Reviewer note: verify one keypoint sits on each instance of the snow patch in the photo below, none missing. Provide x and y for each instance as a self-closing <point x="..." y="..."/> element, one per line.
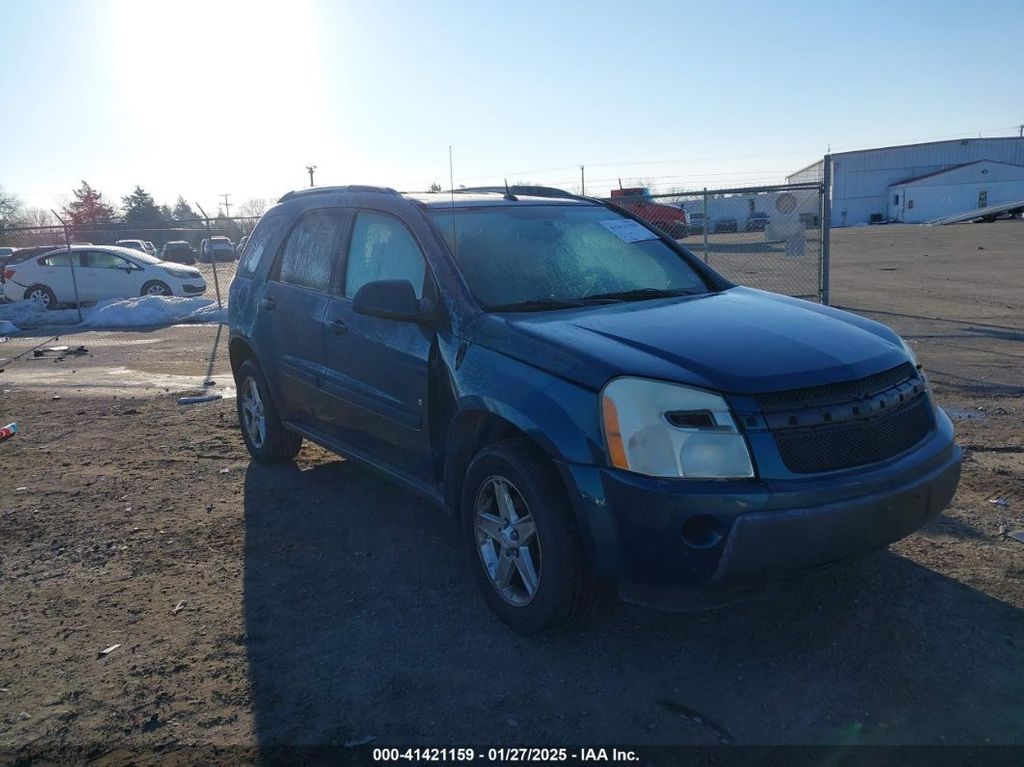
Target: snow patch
<point x="141" y="312"/>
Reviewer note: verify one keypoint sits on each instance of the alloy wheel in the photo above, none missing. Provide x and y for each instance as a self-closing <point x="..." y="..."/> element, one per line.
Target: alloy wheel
<point x="254" y="420"/>
<point x="507" y="541"/>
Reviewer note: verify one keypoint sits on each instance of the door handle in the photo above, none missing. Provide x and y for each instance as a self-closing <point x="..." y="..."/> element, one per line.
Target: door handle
<point x="268" y="304"/>
<point x="338" y="327"/>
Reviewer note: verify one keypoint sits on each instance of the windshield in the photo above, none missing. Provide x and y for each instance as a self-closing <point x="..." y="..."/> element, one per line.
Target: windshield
<point x="514" y="254"/>
<point x="135" y="255"/>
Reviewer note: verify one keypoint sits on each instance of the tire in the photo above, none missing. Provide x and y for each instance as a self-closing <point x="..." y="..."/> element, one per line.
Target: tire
<point x="42" y="295"/>
<point x="156" y="288"/>
<point x="273" y="443"/>
<point x="505" y="556"/>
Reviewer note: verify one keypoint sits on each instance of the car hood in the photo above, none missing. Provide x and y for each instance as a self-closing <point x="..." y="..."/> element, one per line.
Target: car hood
<point x="741" y="341"/>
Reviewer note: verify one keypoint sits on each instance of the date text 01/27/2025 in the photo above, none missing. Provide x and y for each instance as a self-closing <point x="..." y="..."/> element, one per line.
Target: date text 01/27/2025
<point x="504" y="754"/>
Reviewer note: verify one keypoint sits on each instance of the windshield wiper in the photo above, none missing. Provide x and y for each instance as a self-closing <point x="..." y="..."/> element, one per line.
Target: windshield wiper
<point x="639" y="294"/>
<point x="538" y="305"/>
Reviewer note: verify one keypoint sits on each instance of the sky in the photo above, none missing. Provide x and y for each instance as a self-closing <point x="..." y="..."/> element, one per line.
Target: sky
<point x="201" y="98"/>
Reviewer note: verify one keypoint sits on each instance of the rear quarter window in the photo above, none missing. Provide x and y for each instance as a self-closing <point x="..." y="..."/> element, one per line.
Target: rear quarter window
<point x="266" y="232"/>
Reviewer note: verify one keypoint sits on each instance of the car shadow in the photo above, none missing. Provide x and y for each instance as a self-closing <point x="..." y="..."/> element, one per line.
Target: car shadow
<point x="362" y="621"/>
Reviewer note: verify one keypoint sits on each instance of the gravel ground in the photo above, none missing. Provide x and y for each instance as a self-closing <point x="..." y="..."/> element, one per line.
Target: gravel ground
<point x="316" y="603"/>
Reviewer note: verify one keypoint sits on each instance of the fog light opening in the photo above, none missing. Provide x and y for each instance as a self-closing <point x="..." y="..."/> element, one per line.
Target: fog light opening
<point x="702" y="531"/>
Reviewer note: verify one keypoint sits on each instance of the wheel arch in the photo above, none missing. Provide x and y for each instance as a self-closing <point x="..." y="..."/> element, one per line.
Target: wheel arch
<point x="468" y="433"/>
<point x="239" y="350"/>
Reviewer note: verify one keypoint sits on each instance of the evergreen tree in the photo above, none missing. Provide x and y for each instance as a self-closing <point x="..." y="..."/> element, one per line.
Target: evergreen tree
<point x="183" y="211"/>
<point x="140" y="209"/>
<point x="88" y="207"/>
<point x="10" y="209"/>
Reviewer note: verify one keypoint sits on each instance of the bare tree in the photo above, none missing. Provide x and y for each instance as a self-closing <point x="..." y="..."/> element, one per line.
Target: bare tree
<point x="253" y="208"/>
<point x="39" y="217"/>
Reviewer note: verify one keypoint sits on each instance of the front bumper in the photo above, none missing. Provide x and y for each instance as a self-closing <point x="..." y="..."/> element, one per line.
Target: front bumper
<point x="193" y="290"/>
<point x="633" y="526"/>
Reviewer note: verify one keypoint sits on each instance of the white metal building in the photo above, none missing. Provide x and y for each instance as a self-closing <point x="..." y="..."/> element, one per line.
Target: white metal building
<point x="947" y="192"/>
<point x="861" y="180"/>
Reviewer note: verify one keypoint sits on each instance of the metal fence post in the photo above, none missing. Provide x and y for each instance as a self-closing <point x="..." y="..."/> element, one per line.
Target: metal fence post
<point x="705" y="225"/>
<point x="209" y="249"/>
<point x="71" y="263"/>
<point x="826" y="224"/>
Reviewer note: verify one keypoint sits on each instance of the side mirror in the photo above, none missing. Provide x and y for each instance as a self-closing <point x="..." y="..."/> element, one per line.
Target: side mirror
<point x="390" y="299"/>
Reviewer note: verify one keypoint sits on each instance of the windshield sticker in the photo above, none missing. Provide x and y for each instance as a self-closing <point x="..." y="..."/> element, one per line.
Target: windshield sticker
<point x="628" y="231"/>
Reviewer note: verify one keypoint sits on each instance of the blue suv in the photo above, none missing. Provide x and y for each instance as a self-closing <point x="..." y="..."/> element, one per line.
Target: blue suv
<point x="589" y="400"/>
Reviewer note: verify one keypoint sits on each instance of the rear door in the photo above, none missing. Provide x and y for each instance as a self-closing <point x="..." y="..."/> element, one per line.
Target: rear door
<point x="53" y="271"/>
<point x="377" y="369"/>
<point x="290" y="313"/>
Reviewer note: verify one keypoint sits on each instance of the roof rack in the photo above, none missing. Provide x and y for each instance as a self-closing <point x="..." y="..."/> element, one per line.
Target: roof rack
<point x="526" y="190"/>
<point x="337" y="189"/>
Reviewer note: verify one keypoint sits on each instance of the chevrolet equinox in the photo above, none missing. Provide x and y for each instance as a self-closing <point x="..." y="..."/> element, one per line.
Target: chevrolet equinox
<point x="590" y="401"/>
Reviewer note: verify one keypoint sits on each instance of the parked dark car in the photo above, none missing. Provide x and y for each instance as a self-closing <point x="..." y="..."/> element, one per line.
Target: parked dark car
<point x="590" y="401"/>
<point x="724" y="224"/>
<point x="179" y="252"/>
<point x="757" y="222"/>
<point x="216" y="249"/>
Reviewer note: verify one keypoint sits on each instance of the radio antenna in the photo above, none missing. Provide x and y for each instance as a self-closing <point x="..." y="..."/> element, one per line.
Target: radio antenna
<point x="451" y="184"/>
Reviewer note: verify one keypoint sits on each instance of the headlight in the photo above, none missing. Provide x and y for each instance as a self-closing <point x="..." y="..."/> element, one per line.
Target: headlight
<point x="667" y="430"/>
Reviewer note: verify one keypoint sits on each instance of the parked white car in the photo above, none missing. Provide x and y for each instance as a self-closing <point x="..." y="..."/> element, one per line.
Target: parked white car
<point x="138" y="245"/>
<point x="101" y="273"/>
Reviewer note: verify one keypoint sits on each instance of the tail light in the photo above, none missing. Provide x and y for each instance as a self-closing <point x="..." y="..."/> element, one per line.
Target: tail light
<point x="8" y="274"/>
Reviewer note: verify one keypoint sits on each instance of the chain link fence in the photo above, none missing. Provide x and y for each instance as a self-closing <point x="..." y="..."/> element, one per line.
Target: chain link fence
<point x="768" y="237"/>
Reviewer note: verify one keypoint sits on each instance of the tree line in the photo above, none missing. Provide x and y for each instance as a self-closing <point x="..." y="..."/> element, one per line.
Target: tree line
<point x="90" y="217"/>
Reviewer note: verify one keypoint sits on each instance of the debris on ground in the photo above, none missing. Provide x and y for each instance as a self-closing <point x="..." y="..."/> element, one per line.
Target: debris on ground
<point x="8" y="431"/>
<point x="209" y="382"/>
<point x="1017" y="535"/>
<point x="197" y="400"/>
<point x="1000" y="502"/>
<point x="178" y="608"/>
<point x="106" y="652"/>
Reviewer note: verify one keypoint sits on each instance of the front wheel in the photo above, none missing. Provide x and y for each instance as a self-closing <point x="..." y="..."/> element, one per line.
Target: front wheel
<point x="523" y="545"/>
<point x="265" y="436"/>
<point x="156" y="288"/>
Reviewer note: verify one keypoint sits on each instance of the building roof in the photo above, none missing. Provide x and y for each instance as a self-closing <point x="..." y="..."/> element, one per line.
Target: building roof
<point x="910" y="146"/>
<point x="951" y="168"/>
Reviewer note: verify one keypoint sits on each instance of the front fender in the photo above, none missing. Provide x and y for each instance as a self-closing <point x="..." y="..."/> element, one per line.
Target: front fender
<point x="560" y="416"/>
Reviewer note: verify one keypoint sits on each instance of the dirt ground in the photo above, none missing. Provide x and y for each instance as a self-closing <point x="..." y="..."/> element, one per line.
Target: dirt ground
<point x="316" y="603"/>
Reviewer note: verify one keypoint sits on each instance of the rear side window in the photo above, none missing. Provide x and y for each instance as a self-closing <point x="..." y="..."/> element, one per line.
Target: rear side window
<point x="58" y="259"/>
<point x="383" y="249"/>
<point x="265" y="231"/>
<point x="312" y="249"/>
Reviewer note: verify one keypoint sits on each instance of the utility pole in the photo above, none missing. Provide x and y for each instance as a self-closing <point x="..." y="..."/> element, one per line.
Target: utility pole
<point x="1020" y="130"/>
<point x="311" y="169"/>
<point x="583" y="183"/>
<point x="227" y="205"/>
